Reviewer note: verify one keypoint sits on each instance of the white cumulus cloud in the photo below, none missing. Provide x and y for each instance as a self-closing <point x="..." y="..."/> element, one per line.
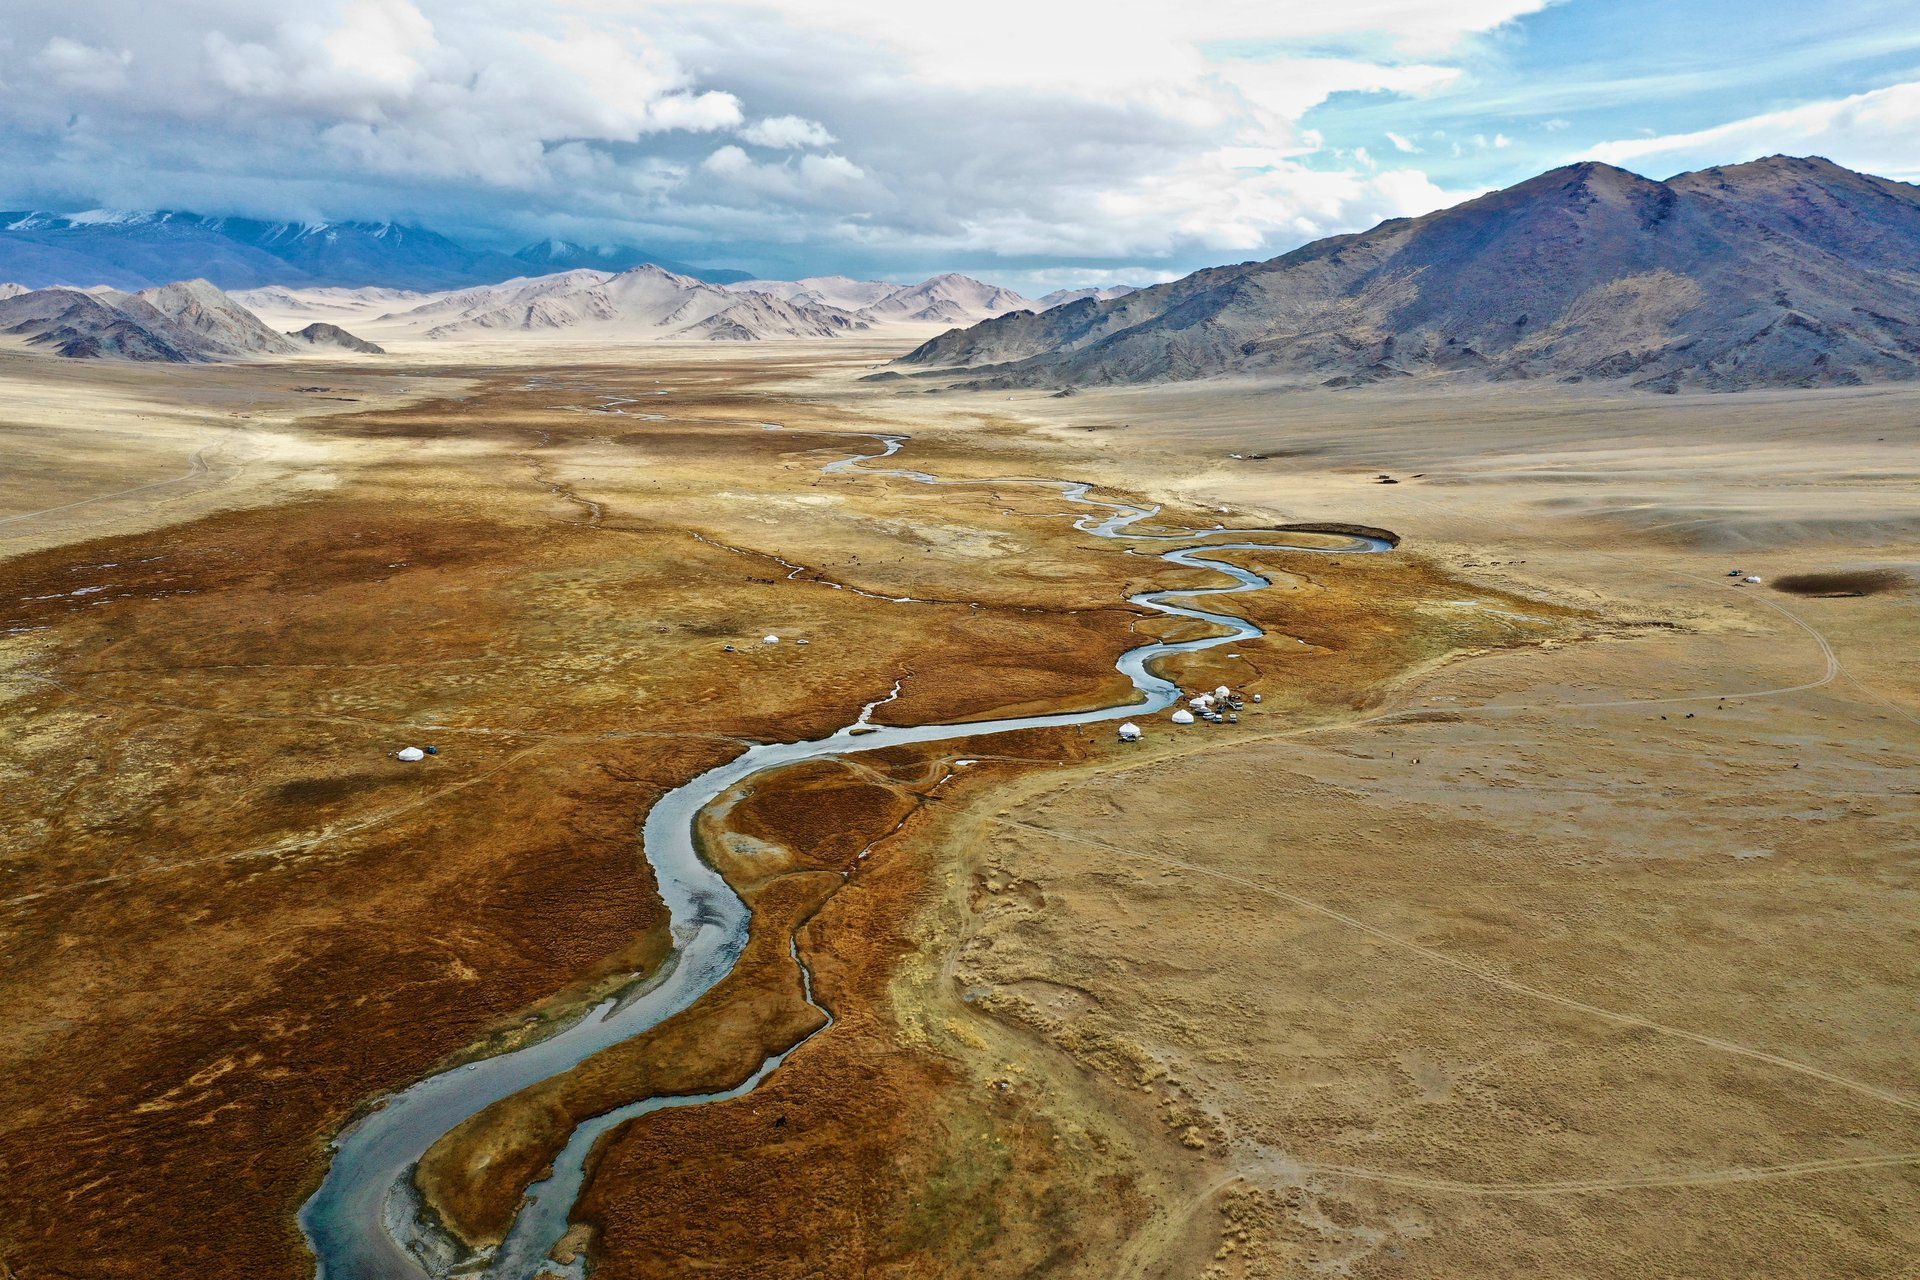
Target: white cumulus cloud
<point x="809" y="179"/>
<point x="1873" y="131"/>
<point x="83" y="66"/>
<point x="833" y="134"/>
<point x="787" y="133"/>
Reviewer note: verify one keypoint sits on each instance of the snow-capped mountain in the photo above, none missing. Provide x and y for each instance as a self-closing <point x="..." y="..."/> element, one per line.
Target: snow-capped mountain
<point x="385" y="253"/>
<point x="134" y="249"/>
<point x="129" y="250"/>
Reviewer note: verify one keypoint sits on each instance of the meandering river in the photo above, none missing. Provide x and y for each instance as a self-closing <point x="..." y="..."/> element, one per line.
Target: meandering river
<point x="363" y="1222"/>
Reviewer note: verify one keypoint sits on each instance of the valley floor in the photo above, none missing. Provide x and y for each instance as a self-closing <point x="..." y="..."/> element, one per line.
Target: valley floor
<point x="1551" y="914"/>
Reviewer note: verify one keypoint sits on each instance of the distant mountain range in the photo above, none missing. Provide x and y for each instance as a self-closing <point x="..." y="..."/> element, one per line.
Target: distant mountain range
<point x="946" y="299"/>
<point x="1061" y="297"/>
<point x="195" y="320"/>
<point x="828" y="291"/>
<point x="642" y="303"/>
<point x="943" y="299"/>
<point x="135" y="250"/>
<point x="1781" y="272"/>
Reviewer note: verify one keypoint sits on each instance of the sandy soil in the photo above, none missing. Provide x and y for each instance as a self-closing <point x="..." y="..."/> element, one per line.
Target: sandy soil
<point x="1587" y="959"/>
<point x="99" y="447"/>
<point x="1454" y="958"/>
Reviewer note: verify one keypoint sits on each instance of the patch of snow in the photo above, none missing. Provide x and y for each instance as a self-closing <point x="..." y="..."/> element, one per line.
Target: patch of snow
<point x="109" y="218"/>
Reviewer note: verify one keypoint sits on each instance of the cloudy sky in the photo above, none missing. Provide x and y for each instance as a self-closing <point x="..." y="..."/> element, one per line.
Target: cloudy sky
<point x="1038" y="142"/>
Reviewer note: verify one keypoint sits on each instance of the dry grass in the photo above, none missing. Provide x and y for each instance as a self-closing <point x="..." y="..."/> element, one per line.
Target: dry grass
<point x="1454" y="957"/>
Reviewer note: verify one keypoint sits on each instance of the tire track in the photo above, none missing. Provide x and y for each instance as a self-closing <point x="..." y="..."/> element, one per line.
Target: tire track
<point x="1487" y="976"/>
<point x="1648" y="1181"/>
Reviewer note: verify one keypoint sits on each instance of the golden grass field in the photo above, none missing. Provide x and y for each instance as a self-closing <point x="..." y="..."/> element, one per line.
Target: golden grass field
<point x="1552" y="914"/>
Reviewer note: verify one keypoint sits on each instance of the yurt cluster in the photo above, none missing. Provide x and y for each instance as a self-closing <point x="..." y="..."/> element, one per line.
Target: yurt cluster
<point x="1219" y="706"/>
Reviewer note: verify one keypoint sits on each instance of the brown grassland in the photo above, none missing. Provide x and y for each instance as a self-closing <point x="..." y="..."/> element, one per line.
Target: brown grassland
<point x="1552" y="914"/>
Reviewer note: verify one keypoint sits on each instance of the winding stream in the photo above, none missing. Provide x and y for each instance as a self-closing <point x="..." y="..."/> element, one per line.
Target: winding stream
<point x="362" y="1224"/>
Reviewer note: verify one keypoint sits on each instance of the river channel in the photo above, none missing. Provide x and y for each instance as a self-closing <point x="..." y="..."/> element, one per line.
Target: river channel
<point x="364" y="1223"/>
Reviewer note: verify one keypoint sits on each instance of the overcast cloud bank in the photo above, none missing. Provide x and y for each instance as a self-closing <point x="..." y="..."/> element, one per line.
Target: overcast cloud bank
<point x="1059" y="144"/>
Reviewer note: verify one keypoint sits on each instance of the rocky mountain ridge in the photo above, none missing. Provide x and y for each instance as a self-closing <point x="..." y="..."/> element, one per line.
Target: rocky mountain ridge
<point x="194" y="320"/>
<point x="644" y="303"/>
<point x="187" y="321"/>
<point x="1781" y="272"/>
<point x="949" y="298"/>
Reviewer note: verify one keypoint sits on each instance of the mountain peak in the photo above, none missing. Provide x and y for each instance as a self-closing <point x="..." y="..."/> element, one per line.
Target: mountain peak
<point x="1774" y="164"/>
<point x="1595" y="176"/>
<point x="198" y="288"/>
<point x="654" y="269"/>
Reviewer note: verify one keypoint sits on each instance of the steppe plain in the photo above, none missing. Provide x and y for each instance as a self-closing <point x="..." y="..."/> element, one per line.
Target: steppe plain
<point x="1553" y="914"/>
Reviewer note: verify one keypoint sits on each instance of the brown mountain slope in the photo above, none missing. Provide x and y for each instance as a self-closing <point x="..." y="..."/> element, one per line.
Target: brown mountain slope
<point x="179" y="323"/>
<point x="222" y="326"/>
<point x="322" y="334"/>
<point x="1782" y="272"/>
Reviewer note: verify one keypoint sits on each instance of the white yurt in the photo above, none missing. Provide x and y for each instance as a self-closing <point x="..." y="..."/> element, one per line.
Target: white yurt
<point x="769" y="639"/>
<point x="1183" y="716"/>
<point x="1129" y="732"/>
<point x="410" y="754"/>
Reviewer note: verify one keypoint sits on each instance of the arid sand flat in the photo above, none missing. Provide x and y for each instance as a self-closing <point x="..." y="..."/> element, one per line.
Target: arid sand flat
<point x="94" y="447"/>
<point x="1578" y="959"/>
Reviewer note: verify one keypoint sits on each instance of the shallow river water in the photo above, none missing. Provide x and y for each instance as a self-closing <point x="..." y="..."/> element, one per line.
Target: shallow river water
<point x="362" y="1223"/>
